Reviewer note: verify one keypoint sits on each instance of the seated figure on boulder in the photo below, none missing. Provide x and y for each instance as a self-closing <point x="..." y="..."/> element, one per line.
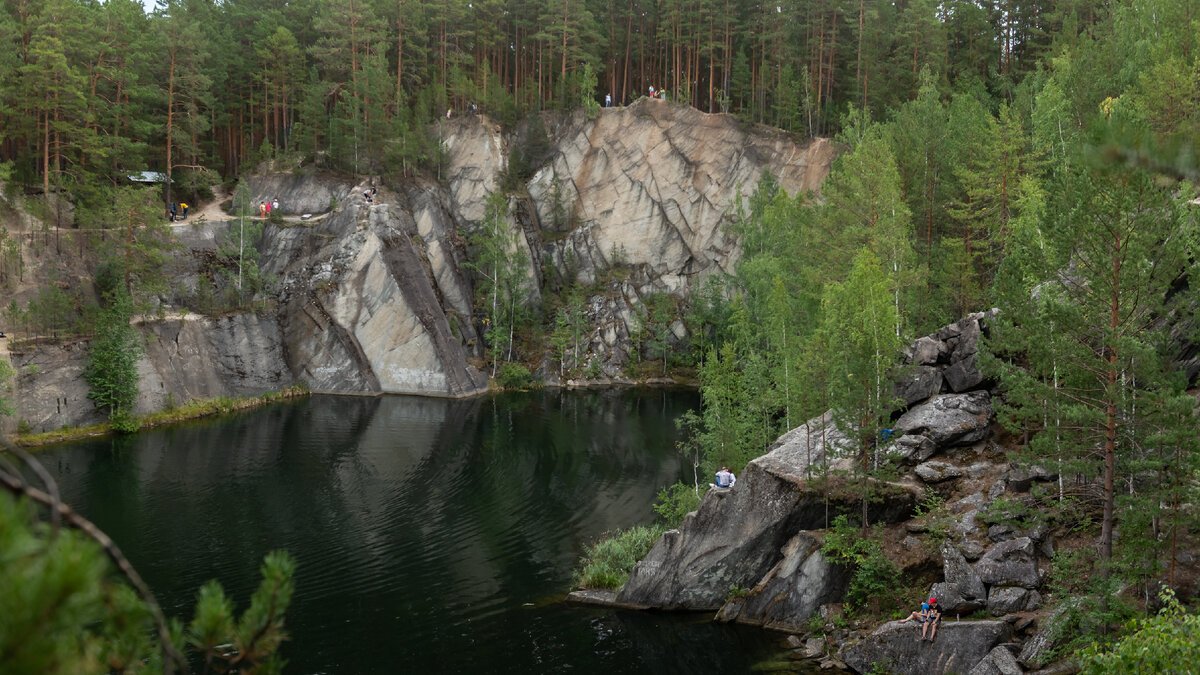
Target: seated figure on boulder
<point x="928" y="617"/>
<point x="725" y="478"/>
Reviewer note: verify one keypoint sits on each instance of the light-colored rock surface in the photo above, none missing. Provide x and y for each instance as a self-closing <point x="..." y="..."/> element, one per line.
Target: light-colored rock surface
<point x="376" y="298"/>
<point x="958" y="648"/>
<point x="950" y="419"/>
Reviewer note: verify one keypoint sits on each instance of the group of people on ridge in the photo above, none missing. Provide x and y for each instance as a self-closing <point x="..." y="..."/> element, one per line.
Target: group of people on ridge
<point x="928" y="616"/>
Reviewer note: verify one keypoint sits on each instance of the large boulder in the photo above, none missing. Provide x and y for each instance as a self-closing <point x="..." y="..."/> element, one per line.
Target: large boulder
<point x="950" y="419"/>
<point x="918" y="384"/>
<point x="959" y="646"/>
<point x="966" y="582"/>
<point x="793" y="590"/>
<point x="1008" y="599"/>
<point x="999" y="661"/>
<point x="1010" y="563"/>
<point x="737" y="536"/>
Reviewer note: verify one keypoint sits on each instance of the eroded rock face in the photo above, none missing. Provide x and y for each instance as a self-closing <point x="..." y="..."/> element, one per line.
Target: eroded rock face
<point x="950" y="419"/>
<point x="1009" y="563"/>
<point x="999" y="661"/>
<point x="653" y="183"/>
<point x="958" y="648"/>
<point x="738" y="536"/>
<point x="793" y="590"/>
<point x="957" y="571"/>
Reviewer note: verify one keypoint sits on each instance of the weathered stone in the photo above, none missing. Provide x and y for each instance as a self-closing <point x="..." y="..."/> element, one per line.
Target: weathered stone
<point x="936" y="472"/>
<point x="971" y="550"/>
<point x="957" y="571"/>
<point x="963" y="375"/>
<point x="1022" y="478"/>
<point x="951" y="600"/>
<point x="792" y="591"/>
<point x="959" y="646"/>
<point x="1009" y="563"/>
<point x="1003" y="600"/>
<point x="814" y="648"/>
<point x="999" y="661"/>
<point x="950" y="419"/>
<point x="928" y="350"/>
<point x="738" y="539"/>
<point x="918" y="384"/>
<point x="914" y="447"/>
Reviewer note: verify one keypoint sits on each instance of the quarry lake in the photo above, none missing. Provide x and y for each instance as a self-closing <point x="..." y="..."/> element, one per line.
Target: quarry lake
<point x="430" y="535"/>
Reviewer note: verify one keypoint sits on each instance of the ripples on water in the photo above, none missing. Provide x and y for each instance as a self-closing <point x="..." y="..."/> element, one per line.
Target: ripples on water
<point x="430" y="535"/>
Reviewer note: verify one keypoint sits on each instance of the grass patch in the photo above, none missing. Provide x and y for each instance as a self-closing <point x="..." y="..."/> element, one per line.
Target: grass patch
<point x="188" y="411"/>
<point x="608" y="562"/>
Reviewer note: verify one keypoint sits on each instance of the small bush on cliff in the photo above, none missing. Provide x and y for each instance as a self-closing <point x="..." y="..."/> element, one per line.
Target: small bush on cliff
<point x="676" y="501"/>
<point x="608" y="562"/>
<point x="874" y="575"/>
<point x="514" y="376"/>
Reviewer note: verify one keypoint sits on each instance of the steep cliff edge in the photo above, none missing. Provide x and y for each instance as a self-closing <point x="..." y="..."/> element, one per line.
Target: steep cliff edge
<point x="374" y="297"/>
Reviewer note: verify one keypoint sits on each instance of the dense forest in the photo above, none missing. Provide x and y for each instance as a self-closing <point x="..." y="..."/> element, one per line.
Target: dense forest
<point x="1034" y="155"/>
<point x="94" y="90"/>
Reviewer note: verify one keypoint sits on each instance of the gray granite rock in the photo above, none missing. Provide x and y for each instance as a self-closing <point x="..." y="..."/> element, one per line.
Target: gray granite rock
<point x="936" y="472"/>
<point x="1009" y="563"/>
<point x="950" y="419"/>
<point x="999" y="661"/>
<point x="959" y="646"/>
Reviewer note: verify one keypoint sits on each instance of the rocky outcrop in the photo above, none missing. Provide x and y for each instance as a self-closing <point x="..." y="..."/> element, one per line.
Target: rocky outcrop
<point x="739" y="535"/>
<point x="794" y="589"/>
<point x="999" y="661"/>
<point x="650" y="186"/>
<point x="374" y="297"/>
<point x="958" y="648"/>
<point x="949" y="419"/>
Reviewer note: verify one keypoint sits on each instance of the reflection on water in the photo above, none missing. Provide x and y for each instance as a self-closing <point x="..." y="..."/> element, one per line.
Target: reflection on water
<point x="430" y="535"/>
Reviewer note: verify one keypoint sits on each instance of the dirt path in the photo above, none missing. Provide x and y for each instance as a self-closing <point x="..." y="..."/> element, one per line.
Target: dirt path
<point x="213" y="213"/>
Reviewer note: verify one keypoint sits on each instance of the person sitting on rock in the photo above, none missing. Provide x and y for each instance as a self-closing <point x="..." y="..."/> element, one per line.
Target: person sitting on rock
<point x="931" y="620"/>
<point x="725" y="478"/>
<point x="920" y="616"/>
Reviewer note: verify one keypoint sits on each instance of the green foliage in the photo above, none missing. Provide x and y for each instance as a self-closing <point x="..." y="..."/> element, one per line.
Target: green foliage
<point x="1092" y="606"/>
<point x="65" y="609"/>
<point x="498" y="263"/>
<point x="111" y="373"/>
<point x="7" y="375"/>
<point x="608" y="562"/>
<point x="874" y="575"/>
<point x="514" y="376"/>
<point x="676" y="501"/>
<point x="933" y="513"/>
<point x="1163" y="643"/>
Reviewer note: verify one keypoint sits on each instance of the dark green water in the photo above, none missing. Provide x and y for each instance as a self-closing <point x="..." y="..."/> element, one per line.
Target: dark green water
<point x="430" y="535"/>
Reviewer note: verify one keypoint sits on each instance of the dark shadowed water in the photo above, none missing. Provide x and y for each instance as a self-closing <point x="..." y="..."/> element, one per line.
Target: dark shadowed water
<point x="430" y="535"/>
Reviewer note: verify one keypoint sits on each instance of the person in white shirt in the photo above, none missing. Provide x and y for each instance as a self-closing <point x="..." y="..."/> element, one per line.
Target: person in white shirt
<point x="725" y="478"/>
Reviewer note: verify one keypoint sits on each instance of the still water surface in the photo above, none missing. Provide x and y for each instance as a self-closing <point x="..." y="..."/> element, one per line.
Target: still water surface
<point x="430" y="535"/>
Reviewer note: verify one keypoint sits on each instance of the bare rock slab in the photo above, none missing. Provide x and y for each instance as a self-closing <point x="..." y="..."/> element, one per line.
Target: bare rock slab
<point x="959" y="647"/>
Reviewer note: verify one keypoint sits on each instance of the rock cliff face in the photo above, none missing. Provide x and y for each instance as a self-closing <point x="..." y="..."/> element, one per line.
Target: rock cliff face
<point x="374" y="297"/>
<point x="752" y="553"/>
